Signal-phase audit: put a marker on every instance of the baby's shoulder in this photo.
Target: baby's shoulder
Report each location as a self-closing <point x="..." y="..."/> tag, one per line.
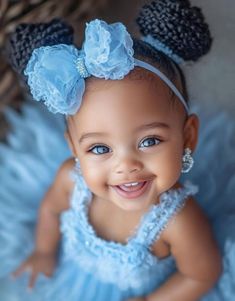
<point x="190" y="222"/>
<point x="57" y="197"/>
<point x="64" y="175"/>
<point x="192" y="243"/>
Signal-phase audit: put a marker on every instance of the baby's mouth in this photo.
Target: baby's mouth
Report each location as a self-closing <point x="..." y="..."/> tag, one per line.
<point x="134" y="186"/>
<point x="133" y="189"/>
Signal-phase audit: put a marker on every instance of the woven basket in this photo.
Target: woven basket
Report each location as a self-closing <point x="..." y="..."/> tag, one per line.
<point x="13" y="12"/>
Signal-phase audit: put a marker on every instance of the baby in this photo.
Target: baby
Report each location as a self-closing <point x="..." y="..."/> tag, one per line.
<point x="129" y="229"/>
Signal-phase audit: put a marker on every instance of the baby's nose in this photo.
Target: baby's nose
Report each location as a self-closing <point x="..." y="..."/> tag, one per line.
<point x="128" y="165"/>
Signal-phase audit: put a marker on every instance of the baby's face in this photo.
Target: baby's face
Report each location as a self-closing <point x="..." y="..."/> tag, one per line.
<point x="129" y="137"/>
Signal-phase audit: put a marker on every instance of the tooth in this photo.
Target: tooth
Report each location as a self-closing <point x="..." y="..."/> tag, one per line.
<point x="131" y="184"/>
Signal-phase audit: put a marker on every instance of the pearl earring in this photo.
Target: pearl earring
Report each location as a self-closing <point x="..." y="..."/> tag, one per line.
<point x="78" y="168"/>
<point x="187" y="161"/>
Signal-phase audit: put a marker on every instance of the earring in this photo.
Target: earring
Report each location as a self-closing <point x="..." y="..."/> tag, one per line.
<point x="187" y="161"/>
<point x="77" y="167"/>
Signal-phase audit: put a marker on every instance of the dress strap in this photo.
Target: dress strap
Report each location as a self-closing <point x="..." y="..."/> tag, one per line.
<point x="156" y="219"/>
<point x="81" y="192"/>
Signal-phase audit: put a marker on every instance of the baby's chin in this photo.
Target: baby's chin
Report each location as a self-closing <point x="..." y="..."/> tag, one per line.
<point x="134" y="205"/>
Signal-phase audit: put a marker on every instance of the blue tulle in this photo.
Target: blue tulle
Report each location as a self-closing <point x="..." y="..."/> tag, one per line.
<point x="108" y="50"/>
<point x="27" y="167"/>
<point x="54" y="78"/>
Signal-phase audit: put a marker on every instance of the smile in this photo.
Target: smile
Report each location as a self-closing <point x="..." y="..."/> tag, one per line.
<point x="132" y="190"/>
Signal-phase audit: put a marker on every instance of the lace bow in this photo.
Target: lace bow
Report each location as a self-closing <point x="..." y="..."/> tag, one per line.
<point x="56" y="73"/>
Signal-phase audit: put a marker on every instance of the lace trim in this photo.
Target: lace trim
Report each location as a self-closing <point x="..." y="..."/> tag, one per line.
<point x="81" y="193"/>
<point x="159" y="216"/>
<point x="103" y="258"/>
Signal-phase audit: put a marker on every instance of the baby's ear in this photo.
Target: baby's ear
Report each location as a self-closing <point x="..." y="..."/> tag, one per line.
<point x="191" y="129"/>
<point x="70" y="142"/>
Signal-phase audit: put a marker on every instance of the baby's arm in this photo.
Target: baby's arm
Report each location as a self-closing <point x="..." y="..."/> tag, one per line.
<point x="197" y="257"/>
<point x="55" y="201"/>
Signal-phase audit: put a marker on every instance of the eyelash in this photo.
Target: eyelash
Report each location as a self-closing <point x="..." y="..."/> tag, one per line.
<point x="151" y="137"/>
<point x="104" y="146"/>
<point x="96" y="146"/>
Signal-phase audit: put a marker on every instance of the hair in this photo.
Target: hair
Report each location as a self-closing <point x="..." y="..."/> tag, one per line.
<point x="177" y="25"/>
<point x="28" y="36"/>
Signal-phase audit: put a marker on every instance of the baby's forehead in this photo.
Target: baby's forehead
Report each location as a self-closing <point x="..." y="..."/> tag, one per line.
<point x="138" y="80"/>
<point x="119" y="99"/>
<point x="138" y="76"/>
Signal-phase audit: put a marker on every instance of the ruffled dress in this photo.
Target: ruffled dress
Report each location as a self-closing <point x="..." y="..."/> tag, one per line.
<point x="89" y="267"/>
<point x="108" y="270"/>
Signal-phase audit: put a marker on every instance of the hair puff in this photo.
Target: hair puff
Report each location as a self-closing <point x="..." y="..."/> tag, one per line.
<point x="177" y="25"/>
<point x="27" y="37"/>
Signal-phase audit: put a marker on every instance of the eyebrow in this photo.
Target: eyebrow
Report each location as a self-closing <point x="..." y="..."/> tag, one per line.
<point x="88" y="135"/>
<point x="153" y="125"/>
<point x="142" y="127"/>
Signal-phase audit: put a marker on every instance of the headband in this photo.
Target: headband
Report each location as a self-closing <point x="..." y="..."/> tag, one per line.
<point x="56" y="74"/>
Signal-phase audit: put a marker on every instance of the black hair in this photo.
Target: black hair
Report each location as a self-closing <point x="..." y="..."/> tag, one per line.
<point x="180" y="27"/>
<point x="28" y="36"/>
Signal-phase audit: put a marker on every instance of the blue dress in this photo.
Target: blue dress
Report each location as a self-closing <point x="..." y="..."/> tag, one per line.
<point x="107" y="270"/>
<point x="89" y="267"/>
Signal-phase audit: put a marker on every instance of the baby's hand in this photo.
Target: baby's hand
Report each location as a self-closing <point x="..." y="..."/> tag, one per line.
<point x="37" y="263"/>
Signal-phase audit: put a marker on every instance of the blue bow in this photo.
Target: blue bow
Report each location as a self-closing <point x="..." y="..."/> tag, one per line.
<point x="56" y="73"/>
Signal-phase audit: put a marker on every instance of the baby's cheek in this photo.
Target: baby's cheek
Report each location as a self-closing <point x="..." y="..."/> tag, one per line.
<point x="94" y="177"/>
<point x="168" y="168"/>
<point x="173" y="169"/>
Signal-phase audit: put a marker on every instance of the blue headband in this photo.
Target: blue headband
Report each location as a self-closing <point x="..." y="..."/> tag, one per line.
<point x="56" y="74"/>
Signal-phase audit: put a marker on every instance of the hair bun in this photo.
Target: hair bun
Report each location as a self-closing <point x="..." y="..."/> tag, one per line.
<point x="178" y="26"/>
<point x="29" y="36"/>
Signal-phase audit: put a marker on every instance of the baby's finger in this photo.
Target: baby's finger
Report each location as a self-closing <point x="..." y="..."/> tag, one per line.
<point x="19" y="270"/>
<point x="32" y="280"/>
<point x="48" y="273"/>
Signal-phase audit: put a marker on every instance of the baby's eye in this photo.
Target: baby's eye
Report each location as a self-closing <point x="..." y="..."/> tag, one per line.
<point x="150" y="141"/>
<point x="99" y="149"/>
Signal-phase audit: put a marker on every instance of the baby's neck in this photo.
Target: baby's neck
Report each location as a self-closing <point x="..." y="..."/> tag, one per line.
<point x="111" y="222"/>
